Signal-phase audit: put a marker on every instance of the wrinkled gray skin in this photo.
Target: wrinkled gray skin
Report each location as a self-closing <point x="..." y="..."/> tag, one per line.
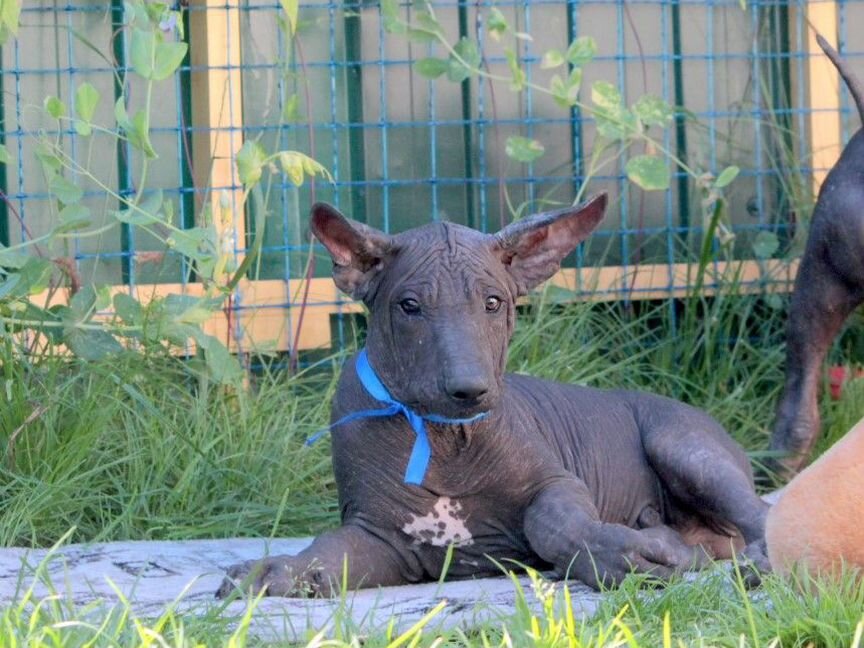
<point x="593" y="483"/>
<point x="829" y="286"/>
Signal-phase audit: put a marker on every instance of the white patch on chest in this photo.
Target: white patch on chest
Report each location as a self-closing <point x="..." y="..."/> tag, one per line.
<point x="441" y="526"/>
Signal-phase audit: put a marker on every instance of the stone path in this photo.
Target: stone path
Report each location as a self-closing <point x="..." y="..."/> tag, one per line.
<point x="153" y="575"/>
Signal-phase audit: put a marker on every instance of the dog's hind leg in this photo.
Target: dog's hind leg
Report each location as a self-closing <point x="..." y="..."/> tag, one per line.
<point x="821" y="302"/>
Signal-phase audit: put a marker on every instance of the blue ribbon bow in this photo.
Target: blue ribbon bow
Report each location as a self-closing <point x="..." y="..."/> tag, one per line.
<point x="422" y="451"/>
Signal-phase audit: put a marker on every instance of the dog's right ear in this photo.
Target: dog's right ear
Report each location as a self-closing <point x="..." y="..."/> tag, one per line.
<point x="358" y="251"/>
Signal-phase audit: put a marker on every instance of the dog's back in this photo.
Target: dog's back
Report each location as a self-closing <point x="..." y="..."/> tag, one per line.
<point x="817" y="521"/>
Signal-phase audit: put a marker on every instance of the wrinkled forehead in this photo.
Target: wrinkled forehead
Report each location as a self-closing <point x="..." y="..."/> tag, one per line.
<point x="445" y="255"/>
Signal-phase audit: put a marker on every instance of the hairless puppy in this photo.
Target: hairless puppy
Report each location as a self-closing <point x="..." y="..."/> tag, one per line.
<point x="435" y="446"/>
<point x="829" y="286"/>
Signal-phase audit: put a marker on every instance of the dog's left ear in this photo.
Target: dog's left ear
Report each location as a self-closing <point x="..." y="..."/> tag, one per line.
<point x="358" y="251"/>
<point x="532" y="249"/>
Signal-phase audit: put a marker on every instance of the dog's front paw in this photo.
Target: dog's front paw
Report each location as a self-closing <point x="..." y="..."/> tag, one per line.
<point x="754" y="563"/>
<point x="273" y="576"/>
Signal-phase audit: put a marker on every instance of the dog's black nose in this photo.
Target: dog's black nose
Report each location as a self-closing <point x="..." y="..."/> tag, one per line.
<point x="467" y="388"/>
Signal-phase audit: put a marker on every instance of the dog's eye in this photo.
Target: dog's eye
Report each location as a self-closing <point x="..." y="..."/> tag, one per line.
<point x="410" y="306"/>
<point x="493" y="304"/>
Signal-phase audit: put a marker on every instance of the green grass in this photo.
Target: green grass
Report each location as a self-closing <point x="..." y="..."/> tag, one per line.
<point x="141" y="449"/>
<point x="714" y="609"/>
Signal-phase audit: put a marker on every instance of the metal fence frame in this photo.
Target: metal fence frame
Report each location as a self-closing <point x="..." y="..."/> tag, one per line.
<point x="295" y="311"/>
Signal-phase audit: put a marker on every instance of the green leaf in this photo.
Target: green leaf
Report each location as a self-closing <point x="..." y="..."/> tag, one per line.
<point x="9" y="286"/>
<point x="497" y="24"/>
<point x="726" y="176"/>
<point x="4" y="154"/>
<point x="186" y="309"/>
<point x="51" y="164"/>
<point x="55" y="107"/>
<point x="431" y="68"/>
<point x="90" y="344"/>
<point x="765" y="245"/>
<point x="523" y="149"/>
<point x="465" y="61"/>
<point x="250" y="159"/>
<point x="66" y="192"/>
<point x="393" y="24"/>
<point x="136" y="13"/>
<point x="312" y="167"/>
<point x="143" y="52"/>
<point x="648" y="171"/>
<point x="86" y="303"/>
<point x="653" y="111"/>
<point x="128" y="309"/>
<point x="82" y="306"/>
<point x="10" y="12"/>
<point x="84" y="129"/>
<point x="292" y="165"/>
<point x="103" y="297"/>
<point x="152" y="203"/>
<point x="291" y="109"/>
<point x="137" y="129"/>
<point x="581" y="51"/>
<point x="35" y="276"/>
<point x="139" y="133"/>
<point x="153" y="57"/>
<point x="552" y="59"/>
<point x="605" y="95"/>
<point x="145" y="213"/>
<point x="72" y="218"/>
<point x="613" y="120"/>
<point x="427" y="20"/>
<point x="134" y="217"/>
<point x="86" y="100"/>
<point x="158" y="327"/>
<point x="120" y="113"/>
<point x="566" y="93"/>
<point x="12" y="259"/>
<point x="295" y="164"/>
<point x="169" y="56"/>
<point x="197" y="243"/>
<point x="517" y="74"/>
<point x="291" y="9"/>
<point x="421" y="36"/>
<point x="221" y="365"/>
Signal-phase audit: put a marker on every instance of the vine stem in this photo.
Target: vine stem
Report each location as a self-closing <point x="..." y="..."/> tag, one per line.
<point x="84" y="326"/>
<point x="310" y="262"/>
<point x="145" y="163"/>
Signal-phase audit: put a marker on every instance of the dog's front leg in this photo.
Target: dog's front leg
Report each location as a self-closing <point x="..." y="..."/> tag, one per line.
<point x="563" y="528"/>
<point x="319" y="570"/>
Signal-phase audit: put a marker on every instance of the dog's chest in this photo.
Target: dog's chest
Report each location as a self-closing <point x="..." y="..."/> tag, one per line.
<point x="445" y="523"/>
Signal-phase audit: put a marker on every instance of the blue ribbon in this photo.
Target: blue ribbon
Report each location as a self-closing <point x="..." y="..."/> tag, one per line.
<point x="422" y="451"/>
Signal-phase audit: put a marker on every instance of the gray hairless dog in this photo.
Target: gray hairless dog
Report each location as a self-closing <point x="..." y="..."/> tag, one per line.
<point x="829" y="286"/>
<point x="435" y="445"/>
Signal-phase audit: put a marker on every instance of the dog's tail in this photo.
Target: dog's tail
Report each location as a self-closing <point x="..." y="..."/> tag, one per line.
<point x="856" y="89"/>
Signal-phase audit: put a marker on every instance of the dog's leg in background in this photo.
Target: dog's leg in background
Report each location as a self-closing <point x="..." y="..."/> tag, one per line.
<point x="829" y="286"/>
<point x="820" y="305"/>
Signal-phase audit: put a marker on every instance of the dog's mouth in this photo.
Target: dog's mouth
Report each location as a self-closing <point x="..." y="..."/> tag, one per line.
<point x="455" y="411"/>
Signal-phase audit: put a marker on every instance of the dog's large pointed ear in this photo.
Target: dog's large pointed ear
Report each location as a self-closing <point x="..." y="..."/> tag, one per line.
<point x="532" y="249"/>
<point x="358" y="251"/>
